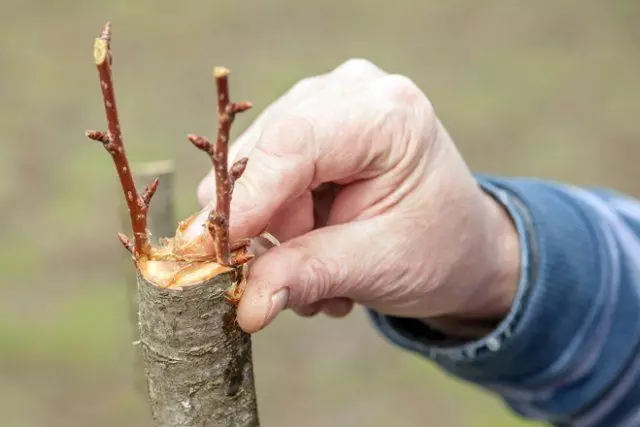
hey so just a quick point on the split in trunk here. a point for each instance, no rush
(198, 361)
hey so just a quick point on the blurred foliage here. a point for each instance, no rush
(546, 88)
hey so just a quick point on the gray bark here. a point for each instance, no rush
(198, 361)
(161, 223)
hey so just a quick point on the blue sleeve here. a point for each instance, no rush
(568, 352)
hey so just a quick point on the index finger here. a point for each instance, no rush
(342, 140)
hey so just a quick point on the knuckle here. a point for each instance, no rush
(357, 67)
(401, 89)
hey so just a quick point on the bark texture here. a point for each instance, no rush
(198, 361)
(161, 222)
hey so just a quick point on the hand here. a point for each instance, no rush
(354, 173)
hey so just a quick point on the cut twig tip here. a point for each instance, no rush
(101, 45)
(220, 72)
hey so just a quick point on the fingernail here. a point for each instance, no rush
(279, 301)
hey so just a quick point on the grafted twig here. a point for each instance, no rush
(112, 140)
(218, 152)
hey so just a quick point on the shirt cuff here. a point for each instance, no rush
(415, 335)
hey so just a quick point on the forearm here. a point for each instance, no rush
(566, 350)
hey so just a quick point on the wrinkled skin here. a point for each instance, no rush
(353, 172)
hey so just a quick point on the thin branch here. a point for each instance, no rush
(126, 242)
(112, 141)
(219, 229)
(218, 152)
(220, 163)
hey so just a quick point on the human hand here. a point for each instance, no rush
(353, 172)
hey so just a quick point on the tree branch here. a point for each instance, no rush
(112, 141)
(218, 152)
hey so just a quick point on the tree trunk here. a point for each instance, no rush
(198, 361)
(162, 224)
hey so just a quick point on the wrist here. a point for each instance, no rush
(504, 257)
(495, 279)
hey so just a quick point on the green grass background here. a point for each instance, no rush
(547, 88)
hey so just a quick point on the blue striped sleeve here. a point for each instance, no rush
(568, 353)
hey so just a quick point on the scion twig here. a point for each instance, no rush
(218, 152)
(112, 140)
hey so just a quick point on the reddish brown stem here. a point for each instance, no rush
(126, 242)
(220, 162)
(112, 141)
(218, 228)
(218, 151)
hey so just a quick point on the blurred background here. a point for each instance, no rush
(547, 88)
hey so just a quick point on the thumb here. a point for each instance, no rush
(324, 264)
